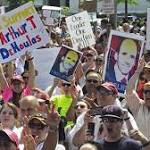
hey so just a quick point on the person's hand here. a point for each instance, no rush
(53, 117)
(28, 55)
(29, 142)
(88, 118)
(55, 82)
(1, 68)
(141, 64)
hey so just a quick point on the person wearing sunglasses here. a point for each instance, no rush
(107, 94)
(139, 107)
(93, 79)
(113, 118)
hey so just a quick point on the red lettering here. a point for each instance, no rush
(38, 38)
(11, 52)
(30, 19)
(3, 39)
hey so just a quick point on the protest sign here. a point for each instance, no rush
(65, 63)
(108, 7)
(148, 30)
(20, 30)
(124, 51)
(80, 30)
(41, 59)
(51, 14)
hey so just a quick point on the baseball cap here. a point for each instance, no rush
(18, 78)
(12, 136)
(147, 65)
(112, 111)
(109, 86)
(39, 116)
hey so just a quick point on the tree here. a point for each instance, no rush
(126, 2)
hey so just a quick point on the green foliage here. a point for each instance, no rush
(130, 2)
(65, 10)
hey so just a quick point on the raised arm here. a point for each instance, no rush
(3, 81)
(31, 70)
(132, 82)
(52, 137)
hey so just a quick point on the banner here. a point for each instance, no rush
(80, 30)
(20, 30)
(65, 63)
(124, 51)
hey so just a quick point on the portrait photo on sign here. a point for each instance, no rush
(124, 52)
(65, 63)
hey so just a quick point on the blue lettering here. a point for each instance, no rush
(4, 52)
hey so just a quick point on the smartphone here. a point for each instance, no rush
(96, 111)
(91, 128)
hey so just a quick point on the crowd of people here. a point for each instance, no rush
(86, 113)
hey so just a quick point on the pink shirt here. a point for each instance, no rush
(7, 93)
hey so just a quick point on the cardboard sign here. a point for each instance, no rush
(124, 51)
(20, 30)
(65, 63)
(51, 14)
(80, 30)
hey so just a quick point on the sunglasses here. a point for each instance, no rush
(146, 91)
(105, 92)
(111, 120)
(37, 126)
(81, 106)
(66, 84)
(89, 55)
(92, 81)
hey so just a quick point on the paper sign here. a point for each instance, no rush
(20, 30)
(65, 63)
(108, 7)
(80, 30)
(124, 51)
(51, 14)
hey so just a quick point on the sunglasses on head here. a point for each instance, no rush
(111, 120)
(92, 81)
(66, 84)
(105, 92)
(146, 91)
(38, 126)
(81, 106)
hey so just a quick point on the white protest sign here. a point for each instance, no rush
(20, 30)
(80, 30)
(51, 14)
(148, 30)
(43, 61)
(108, 7)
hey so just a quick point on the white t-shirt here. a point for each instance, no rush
(58, 147)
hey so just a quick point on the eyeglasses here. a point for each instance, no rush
(111, 120)
(25, 78)
(92, 81)
(66, 84)
(105, 92)
(146, 91)
(37, 126)
(81, 106)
